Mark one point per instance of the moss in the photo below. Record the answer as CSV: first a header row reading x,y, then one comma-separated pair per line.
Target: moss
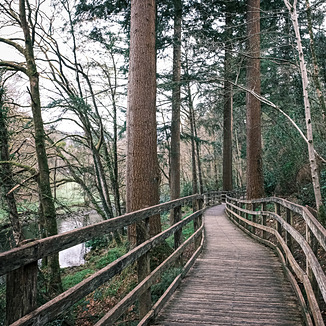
x,y
71,280
111,256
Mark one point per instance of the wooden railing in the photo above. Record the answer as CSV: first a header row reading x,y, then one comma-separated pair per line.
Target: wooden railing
x,y
297,236
25,257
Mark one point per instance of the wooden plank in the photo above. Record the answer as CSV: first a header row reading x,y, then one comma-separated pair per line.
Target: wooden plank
x,y
119,309
314,308
226,285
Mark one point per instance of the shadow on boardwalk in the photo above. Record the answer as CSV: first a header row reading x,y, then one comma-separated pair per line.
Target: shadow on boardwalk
x,y
235,281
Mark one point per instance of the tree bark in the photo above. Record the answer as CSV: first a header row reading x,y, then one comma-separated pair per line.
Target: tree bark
x,y
175,214
304,77
228,103
143,176
255,187
176,99
46,198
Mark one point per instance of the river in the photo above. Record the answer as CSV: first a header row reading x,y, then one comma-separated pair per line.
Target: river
x,y
73,256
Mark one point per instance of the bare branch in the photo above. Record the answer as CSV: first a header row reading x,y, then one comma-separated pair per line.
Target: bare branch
x,y
13,44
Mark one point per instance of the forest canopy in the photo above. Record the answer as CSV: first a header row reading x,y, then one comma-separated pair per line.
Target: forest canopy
x,y
64,80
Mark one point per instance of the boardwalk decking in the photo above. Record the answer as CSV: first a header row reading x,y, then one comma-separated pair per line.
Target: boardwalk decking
x,y
235,281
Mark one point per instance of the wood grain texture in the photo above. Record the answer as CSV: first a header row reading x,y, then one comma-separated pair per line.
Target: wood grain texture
x,y
236,281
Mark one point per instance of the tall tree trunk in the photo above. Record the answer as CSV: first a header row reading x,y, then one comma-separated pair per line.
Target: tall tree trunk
x,y
255,184
143,176
175,214
304,77
228,103
175,121
47,202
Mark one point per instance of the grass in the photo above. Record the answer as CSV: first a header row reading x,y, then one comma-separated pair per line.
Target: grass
x,y
110,256
71,280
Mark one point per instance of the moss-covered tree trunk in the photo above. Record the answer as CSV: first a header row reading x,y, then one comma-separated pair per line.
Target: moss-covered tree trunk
x,y
47,202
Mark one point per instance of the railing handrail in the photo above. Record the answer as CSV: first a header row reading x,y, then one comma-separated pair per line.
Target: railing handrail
x,y
29,254
313,266
318,230
39,248
58,305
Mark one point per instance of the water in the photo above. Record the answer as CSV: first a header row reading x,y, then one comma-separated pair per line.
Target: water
x,y
73,256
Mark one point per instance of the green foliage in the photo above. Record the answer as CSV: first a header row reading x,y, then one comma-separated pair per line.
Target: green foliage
x,y
322,215
186,189
111,256
188,230
306,192
98,243
70,194
306,195
166,279
71,280
160,253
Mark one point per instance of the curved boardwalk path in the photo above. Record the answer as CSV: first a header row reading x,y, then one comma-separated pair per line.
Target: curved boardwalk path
x,y
235,281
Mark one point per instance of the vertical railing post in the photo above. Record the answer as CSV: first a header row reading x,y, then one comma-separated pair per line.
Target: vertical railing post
x,y
178,233
206,203
288,237
312,241
278,212
254,218
143,266
246,215
198,221
263,219
21,291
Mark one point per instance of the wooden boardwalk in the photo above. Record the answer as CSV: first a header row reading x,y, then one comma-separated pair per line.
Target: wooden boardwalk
x,y
235,281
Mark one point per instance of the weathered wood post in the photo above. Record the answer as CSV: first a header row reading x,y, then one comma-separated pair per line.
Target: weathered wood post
x,y
312,241
176,219
263,219
198,221
239,211
206,200
278,212
249,216
254,218
21,291
288,237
